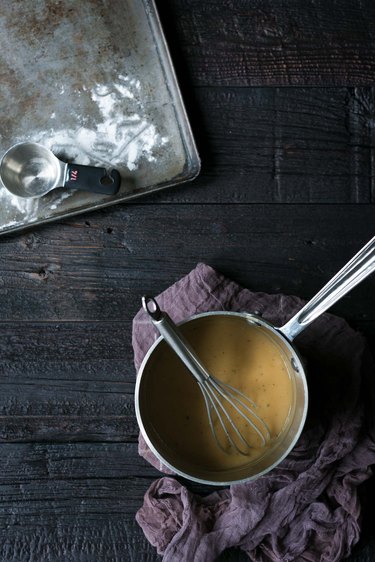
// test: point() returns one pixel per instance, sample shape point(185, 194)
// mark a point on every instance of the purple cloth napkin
point(307, 509)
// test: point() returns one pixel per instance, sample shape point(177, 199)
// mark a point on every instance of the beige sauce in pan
point(236, 352)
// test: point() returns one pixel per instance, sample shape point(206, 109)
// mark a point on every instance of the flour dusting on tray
point(118, 140)
point(95, 85)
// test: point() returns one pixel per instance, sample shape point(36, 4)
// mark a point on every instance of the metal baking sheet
point(92, 81)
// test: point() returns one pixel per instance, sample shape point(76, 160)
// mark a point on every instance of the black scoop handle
point(91, 178)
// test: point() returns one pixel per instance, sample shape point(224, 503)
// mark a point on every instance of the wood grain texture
point(285, 197)
point(92, 275)
point(78, 502)
point(281, 145)
point(262, 42)
point(68, 503)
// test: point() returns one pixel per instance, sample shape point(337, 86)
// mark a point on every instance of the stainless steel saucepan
point(357, 269)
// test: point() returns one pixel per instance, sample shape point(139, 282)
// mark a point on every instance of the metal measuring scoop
point(31, 170)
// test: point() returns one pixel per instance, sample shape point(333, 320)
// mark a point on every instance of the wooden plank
point(35, 462)
point(266, 43)
point(72, 503)
point(77, 502)
point(98, 273)
point(66, 428)
point(282, 145)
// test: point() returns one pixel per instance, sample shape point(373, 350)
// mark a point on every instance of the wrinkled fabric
point(306, 509)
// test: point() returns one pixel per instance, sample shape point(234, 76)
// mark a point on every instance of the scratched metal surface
point(92, 81)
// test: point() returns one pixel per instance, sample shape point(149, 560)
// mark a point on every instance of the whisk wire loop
point(221, 391)
point(214, 403)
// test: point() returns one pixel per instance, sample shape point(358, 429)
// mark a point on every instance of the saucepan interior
point(171, 411)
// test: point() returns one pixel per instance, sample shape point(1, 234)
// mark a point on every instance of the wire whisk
point(224, 403)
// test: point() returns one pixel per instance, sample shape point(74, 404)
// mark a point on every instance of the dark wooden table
point(282, 105)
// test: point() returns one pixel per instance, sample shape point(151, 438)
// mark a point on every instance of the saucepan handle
point(91, 178)
point(357, 269)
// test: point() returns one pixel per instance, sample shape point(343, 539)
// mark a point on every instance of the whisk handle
point(173, 336)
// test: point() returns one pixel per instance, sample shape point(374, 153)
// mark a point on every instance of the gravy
point(238, 353)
